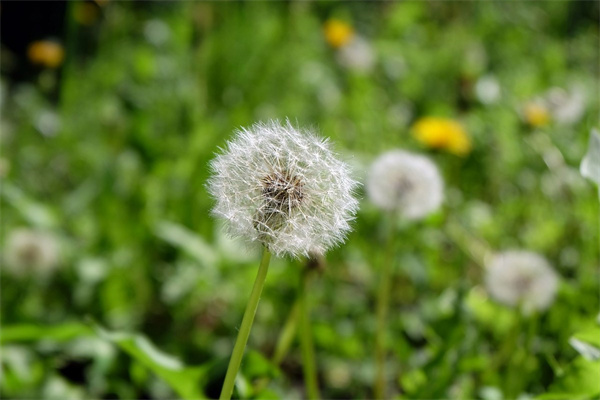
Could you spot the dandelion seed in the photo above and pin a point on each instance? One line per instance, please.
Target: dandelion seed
(406, 182)
(29, 252)
(442, 133)
(283, 187)
(521, 278)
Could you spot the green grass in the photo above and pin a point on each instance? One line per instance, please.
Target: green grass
(122, 185)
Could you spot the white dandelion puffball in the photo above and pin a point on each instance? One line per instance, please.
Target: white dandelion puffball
(357, 55)
(487, 89)
(30, 252)
(567, 107)
(283, 187)
(405, 182)
(521, 278)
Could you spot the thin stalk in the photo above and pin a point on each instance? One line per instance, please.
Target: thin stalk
(515, 357)
(244, 332)
(474, 247)
(284, 342)
(286, 337)
(68, 67)
(309, 368)
(383, 304)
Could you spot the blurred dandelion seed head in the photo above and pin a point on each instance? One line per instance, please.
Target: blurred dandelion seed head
(442, 133)
(30, 252)
(521, 278)
(566, 107)
(406, 182)
(357, 55)
(283, 187)
(487, 89)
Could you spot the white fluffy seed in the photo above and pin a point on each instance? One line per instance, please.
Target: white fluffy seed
(407, 183)
(283, 187)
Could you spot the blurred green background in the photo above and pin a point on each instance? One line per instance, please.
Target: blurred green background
(111, 112)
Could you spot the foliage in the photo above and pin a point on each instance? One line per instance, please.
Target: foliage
(110, 154)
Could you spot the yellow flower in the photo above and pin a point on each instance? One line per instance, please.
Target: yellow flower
(337, 33)
(86, 13)
(442, 133)
(536, 114)
(46, 52)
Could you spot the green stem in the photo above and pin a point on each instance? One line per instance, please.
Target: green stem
(284, 342)
(309, 368)
(69, 61)
(383, 300)
(476, 248)
(244, 333)
(287, 334)
(383, 303)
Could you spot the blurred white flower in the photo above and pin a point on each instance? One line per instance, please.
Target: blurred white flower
(487, 89)
(283, 187)
(566, 107)
(521, 278)
(29, 252)
(47, 122)
(357, 55)
(157, 32)
(590, 165)
(406, 182)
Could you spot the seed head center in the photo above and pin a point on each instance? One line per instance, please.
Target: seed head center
(282, 191)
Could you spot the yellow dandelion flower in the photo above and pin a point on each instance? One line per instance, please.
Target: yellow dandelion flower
(536, 114)
(86, 13)
(442, 133)
(337, 33)
(46, 53)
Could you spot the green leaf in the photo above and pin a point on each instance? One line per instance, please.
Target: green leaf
(191, 243)
(589, 335)
(590, 165)
(587, 342)
(35, 213)
(32, 332)
(579, 381)
(185, 381)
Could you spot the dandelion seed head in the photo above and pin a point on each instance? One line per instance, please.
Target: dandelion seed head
(357, 55)
(566, 106)
(406, 182)
(30, 252)
(283, 187)
(521, 278)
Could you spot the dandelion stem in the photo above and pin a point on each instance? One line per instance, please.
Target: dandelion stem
(287, 334)
(284, 342)
(244, 332)
(476, 248)
(306, 344)
(383, 301)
